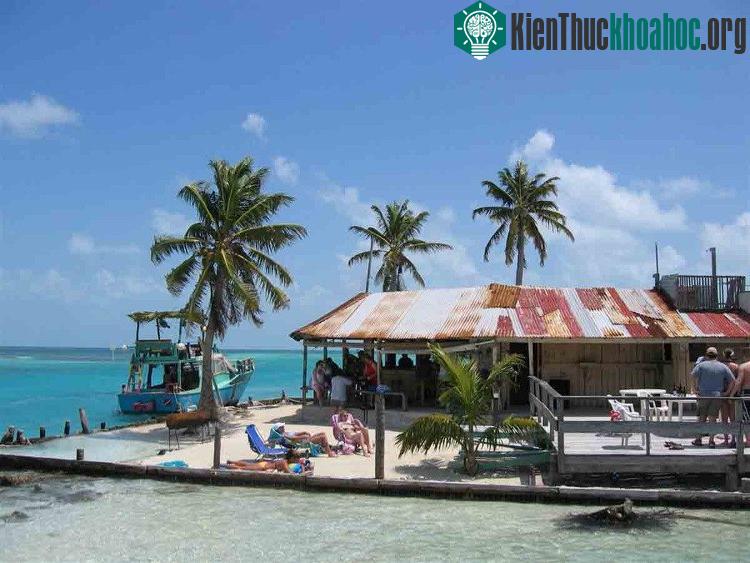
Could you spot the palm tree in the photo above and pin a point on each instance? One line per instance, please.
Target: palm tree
(229, 251)
(524, 204)
(468, 399)
(396, 234)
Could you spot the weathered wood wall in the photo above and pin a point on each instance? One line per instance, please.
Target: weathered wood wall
(600, 369)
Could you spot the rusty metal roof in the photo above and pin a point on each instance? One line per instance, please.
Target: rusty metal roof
(512, 312)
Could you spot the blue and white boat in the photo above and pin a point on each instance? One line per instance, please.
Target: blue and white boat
(165, 376)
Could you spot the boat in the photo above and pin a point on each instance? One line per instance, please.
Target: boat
(165, 376)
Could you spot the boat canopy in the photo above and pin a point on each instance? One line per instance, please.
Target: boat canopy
(162, 316)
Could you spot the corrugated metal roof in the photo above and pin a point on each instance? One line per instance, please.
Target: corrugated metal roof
(520, 312)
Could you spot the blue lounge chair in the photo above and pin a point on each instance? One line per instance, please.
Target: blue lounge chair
(258, 445)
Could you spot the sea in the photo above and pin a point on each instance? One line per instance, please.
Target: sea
(47, 386)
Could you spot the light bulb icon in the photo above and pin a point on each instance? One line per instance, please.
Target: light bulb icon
(480, 27)
(479, 30)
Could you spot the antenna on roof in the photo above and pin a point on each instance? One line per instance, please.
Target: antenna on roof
(657, 278)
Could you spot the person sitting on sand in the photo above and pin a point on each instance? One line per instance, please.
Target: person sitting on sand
(299, 466)
(351, 430)
(295, 439)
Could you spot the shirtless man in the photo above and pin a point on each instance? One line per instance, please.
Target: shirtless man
(726, 411)
(742, 389)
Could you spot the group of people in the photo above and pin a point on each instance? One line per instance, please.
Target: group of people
(714, 380)
(328, 377)
(351, 434)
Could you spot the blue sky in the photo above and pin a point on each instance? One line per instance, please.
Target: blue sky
(106, 110)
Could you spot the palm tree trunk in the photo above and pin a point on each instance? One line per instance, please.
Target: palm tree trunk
(208, 399)
(521, 259)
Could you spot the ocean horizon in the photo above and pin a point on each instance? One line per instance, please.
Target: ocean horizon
(46, 385)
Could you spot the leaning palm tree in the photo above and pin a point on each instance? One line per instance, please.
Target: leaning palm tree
(524, 205)
(468, 400)
(396, 233)
(229, 254)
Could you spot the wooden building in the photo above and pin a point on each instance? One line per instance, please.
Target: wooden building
(583, 341)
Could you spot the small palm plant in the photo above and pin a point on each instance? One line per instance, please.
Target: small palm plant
(468, 398)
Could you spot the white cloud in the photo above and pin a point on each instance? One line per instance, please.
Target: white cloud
(592, 194)
(118, 286)
(732, 242)
(48, 284)
(537, 147)
(615, 226)
(255, 124)
(35, 116)
(346, 201)
(84, 245)
(287, 170)
(169, 223)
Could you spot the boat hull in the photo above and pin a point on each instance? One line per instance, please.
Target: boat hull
(163, 402)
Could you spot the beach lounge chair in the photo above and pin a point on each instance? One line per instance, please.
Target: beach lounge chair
(339, 435)
(260, 447)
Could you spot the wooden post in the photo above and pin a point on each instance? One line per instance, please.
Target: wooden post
(553, 408)
(531, 359)
(648, 434)
(304, 374)
(379, 355)
(66, 430)
(84, 421)
(379, 436)
(217, 446)
(325, 352)
(740, 439)
(500, 392)
(79, 454)
(42, 432)
(560, 434)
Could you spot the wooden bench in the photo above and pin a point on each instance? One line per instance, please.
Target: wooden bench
(196, 420)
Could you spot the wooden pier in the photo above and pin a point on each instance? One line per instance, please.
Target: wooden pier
(593, 445)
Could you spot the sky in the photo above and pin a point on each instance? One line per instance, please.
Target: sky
(107, 109)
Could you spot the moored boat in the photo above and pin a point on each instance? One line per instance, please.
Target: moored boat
(165, 376)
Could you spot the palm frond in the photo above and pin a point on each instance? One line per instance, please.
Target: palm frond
(431, 432)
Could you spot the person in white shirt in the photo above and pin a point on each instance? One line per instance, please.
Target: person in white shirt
(339, 388)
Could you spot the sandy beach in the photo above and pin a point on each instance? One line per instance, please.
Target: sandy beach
(436, 465)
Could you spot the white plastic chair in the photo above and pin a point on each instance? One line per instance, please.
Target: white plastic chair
(627, 414)
(660, 410)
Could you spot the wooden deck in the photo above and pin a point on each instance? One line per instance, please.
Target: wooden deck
(592, 444)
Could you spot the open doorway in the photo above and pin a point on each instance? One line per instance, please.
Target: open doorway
(520, 395)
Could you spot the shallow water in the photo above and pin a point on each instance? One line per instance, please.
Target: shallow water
(83, 519)
(46, 386)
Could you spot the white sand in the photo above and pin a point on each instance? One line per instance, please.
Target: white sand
(440, 465)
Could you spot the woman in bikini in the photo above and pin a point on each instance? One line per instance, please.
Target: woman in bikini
(289, 465)
(354, 431)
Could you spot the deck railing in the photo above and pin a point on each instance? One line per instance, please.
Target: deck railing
(704, 293)
(549, 408)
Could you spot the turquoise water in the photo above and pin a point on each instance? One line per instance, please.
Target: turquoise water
(105, 520)
(46, 386)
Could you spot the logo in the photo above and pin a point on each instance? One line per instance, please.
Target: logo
(479, 30)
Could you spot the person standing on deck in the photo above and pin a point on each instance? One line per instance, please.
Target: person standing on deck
(742, 389)
(726, 413)
(712, 379)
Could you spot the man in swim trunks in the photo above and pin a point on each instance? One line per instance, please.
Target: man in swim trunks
(712, 381)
